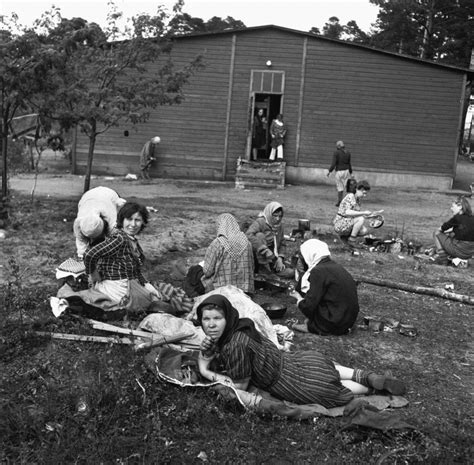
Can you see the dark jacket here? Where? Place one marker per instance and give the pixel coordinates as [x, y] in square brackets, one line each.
[331, 303]
[341, 160]
[463, 227]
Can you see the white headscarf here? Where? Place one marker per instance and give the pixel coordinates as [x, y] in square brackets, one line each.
[312, 251]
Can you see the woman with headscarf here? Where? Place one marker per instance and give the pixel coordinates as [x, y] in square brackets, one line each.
[229, 257]
[235, 347]
[266, 235]
[326, 293]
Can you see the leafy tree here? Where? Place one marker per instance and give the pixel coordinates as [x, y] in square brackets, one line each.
[24, 66]
[333, 28]
[184, 23]
[101, 81]
[440, 30]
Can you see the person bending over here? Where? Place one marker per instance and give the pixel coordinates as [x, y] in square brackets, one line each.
[350, 219]
[326, 293]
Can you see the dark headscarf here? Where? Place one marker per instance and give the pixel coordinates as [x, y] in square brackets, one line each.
[233, 322]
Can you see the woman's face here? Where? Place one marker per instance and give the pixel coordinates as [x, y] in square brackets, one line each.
[213, 323]
[456, 208]
[133, 225]
[360, 193]
[260, 112]
[277, 216]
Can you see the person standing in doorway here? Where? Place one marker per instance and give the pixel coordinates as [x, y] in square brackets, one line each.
[341, 162]
[277, 133]
[148, 156]
[259, 133]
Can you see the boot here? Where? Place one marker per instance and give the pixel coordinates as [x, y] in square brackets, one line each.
[339, 198]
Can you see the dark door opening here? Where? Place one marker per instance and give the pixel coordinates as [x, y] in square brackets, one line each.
[266, 107]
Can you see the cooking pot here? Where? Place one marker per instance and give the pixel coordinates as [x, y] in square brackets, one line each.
[274, 310]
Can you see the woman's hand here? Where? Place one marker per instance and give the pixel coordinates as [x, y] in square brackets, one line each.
[279, 265]
[296, 295]
[207, 346]
[94, 278]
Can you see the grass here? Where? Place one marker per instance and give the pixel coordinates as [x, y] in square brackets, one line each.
[133, 418]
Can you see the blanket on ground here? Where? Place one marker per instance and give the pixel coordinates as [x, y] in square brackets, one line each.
[246, 307]
[181, 368]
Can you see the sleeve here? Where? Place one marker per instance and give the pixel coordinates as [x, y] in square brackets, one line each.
[82, 243]
[451, 223]
[314, 295]
[104, 249]
[333, 163]
[210, 259]
[251, 234]
[237, 361]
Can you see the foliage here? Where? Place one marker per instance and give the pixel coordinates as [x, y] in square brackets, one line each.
[440, 30]
[102, 77]
[22, 79]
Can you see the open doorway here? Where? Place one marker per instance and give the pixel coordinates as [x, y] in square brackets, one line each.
[265, 109]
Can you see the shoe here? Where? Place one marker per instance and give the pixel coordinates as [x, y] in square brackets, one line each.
[387, 383]
[440, 260]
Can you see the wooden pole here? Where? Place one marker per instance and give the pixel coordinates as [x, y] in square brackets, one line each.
[416, 289]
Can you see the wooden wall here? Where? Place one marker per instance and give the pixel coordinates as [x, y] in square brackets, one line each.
[393, 114]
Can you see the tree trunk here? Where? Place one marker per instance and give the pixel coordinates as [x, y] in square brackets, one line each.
[90, 156]
[417, 289]
[4, 133]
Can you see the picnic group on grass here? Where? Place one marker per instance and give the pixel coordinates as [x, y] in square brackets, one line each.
[233, 349]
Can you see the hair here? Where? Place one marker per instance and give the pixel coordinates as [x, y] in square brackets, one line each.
[351, 186]
[212, 307]
[279, 116]
[465, 205]
[339, 144]
[363, 185]
[128, 210]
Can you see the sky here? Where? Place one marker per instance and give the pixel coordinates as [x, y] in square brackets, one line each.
[293, 14]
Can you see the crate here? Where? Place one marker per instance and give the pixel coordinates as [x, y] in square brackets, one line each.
[260, 174]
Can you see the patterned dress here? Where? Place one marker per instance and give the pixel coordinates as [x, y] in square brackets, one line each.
[343, 225]
[304, 377]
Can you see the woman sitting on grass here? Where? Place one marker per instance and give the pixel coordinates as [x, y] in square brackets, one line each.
[326, 292]
[455, 238]
[234, 346]
[229, 257]
[266, 234]
[349, 222]
[115, 274]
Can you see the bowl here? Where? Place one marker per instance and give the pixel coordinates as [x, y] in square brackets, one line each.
[274, 310]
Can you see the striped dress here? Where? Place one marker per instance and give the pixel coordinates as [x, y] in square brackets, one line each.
[305, 377]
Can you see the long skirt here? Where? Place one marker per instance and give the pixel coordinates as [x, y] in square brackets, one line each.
[308, 377]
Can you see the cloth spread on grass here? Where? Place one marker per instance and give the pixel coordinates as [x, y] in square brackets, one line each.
[246, 307]
[181, 368]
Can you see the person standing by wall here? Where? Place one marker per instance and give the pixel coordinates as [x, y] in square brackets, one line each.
[341, 162]
[277, 133]
[148, 156]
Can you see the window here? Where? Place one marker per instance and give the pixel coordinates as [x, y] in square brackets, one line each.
[268, 82]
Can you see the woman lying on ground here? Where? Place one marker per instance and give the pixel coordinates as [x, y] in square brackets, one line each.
[233, 346]
[326, 292]
[266, 235]
[229, 257]
[455, 238]
[114, 268]
[349, 222]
